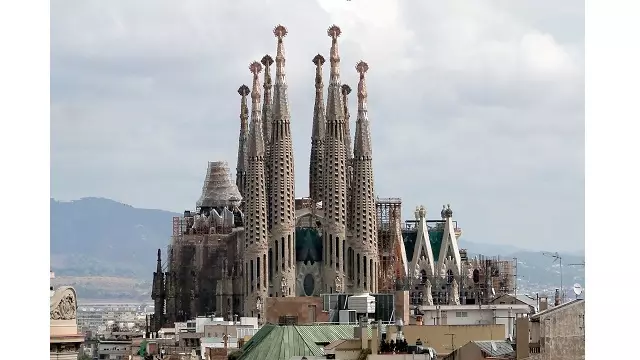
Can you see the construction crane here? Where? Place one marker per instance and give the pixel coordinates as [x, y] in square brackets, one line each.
[578, 264]
[556, 257]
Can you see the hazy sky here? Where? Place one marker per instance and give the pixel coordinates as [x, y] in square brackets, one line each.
[479, 104]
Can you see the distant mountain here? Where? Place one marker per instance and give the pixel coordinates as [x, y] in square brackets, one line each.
[101, 239]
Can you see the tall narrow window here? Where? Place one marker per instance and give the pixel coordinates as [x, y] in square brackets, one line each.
[258, 273]
[289, 247]
[282, 247]
[252, 273]
[330, 249]
[264, 266]
[276, 251]
[358, 268]
[337, 253]
[344, 255]
[270, 264]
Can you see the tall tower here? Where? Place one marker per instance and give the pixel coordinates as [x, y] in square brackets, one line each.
[158, 294]
[256, 243]
[282, 184]
[267, 116]
[241, 168]
[364, 201]
[334, 197]
[346, 90]
[317, 136]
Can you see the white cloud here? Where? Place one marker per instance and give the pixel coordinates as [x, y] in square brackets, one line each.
[475, 103]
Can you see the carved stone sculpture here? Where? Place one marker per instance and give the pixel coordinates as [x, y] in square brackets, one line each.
[454, 297]
[429, 299]
[339, 288]
[283, 285]
[66, 308]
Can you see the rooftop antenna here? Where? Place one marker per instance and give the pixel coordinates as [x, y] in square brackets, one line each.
[556, 257]
[577, 290]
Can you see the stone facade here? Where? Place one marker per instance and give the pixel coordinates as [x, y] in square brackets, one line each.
[64, 339]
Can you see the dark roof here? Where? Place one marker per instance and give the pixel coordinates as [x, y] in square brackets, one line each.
[495, 348]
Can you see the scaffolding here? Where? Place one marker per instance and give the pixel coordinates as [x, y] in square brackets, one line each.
[389, 217]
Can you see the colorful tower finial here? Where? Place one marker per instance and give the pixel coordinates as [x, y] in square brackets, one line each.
[280, 32]
[362, 68]
[334, 32]
[256, 142]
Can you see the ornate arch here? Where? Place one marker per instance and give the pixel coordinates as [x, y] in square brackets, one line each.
[63, 305]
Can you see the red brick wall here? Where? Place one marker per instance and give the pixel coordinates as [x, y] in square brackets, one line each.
[301, 307]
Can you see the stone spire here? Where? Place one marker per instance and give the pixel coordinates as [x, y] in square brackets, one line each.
[267, 115]
[241, 168]
[346, 90]
[317, 136]
[334, 199]
[158, 293]
[282, 183]
[364, 220]
[256, 244]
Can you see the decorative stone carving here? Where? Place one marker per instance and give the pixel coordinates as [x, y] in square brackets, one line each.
[339, 285]
[429, 299]
[66, 307]
[283, 284]
[454, 297]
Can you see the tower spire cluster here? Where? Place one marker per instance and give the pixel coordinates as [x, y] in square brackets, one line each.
[343, 215]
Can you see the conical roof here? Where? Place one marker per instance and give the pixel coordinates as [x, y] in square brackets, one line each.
[218, 189]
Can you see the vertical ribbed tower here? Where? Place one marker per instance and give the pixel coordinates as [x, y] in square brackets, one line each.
[334, 197]
[241, 168]
[364, 200]
[317, 136]
[267, 115]
[256, 242]
[282, 184]
[346, 90]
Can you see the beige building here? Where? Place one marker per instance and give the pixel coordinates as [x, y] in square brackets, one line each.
[558, 333]
[64, 339]
[446, 338]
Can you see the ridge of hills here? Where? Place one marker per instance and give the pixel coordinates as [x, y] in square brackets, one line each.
[107, 250]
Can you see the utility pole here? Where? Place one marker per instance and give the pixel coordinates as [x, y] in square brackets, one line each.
[453, 348]
[557, 257]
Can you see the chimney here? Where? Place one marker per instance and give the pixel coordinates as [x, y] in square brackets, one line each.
[364, 334]
[522, 338]
[556, 300]
[374, 339]
[543, 303]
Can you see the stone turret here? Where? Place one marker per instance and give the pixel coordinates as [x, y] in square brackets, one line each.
[267, 117]
[334, 199]
[317, 136]
[364, 220]
[241, 167]
[256, 242]
[282, 183]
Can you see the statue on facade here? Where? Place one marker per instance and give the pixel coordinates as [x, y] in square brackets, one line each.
[339, 287]
[454, 297]
[283, 285]
[429, 299]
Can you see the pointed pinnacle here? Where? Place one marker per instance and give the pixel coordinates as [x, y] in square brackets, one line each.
[267, 60]
[318, 60]
[244, 90]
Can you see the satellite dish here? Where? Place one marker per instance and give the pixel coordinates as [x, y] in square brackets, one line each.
[577, 289]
